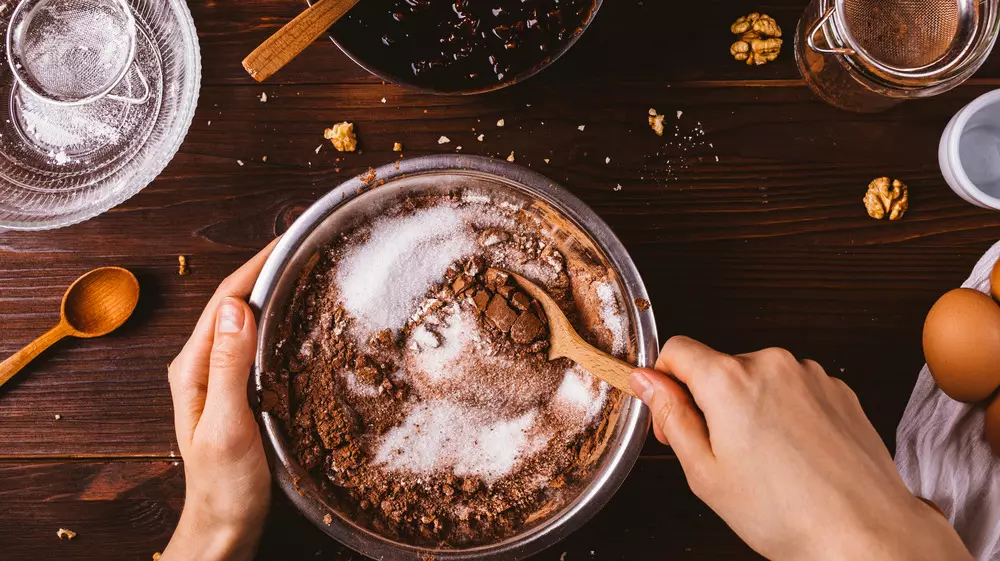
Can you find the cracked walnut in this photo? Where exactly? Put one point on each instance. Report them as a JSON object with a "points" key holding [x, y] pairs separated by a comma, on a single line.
{"points": [[887, 198], [759, 41]]}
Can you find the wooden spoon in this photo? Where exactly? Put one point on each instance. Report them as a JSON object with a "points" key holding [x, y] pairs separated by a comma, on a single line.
{"points": [[279, 49], [565, 342], [95, 304]]}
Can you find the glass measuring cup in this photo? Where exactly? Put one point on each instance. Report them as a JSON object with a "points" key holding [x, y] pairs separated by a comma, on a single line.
{"points": [[73, 52]]}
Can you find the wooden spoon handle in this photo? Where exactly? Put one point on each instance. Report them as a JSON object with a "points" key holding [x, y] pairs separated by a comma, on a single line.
{"points": [[279, 49], [606, 367], [21, 358]]}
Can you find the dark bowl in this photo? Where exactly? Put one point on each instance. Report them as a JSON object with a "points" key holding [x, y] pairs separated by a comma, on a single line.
{"points": [[372, 64]]}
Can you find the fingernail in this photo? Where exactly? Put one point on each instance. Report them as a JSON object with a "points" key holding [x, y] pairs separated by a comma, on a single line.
{"points": [[641, 386], [230, 316]]}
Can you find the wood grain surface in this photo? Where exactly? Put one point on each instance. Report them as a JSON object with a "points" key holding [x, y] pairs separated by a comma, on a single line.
{"points": [[745, 220]]}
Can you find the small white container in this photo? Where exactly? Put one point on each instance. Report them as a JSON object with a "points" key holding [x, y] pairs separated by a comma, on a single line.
{"points": [[969, 153]]}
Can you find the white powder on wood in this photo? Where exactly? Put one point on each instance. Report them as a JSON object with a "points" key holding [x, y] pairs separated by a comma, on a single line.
{"points": [[612, 317], [438, 435], [383, 279]]}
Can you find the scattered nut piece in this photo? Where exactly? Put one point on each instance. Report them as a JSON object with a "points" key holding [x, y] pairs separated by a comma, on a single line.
{"points": [[480, 137], [759, 41], [444, 140], [182, 265], [383, 100], [656, 122], [58, 416], [263, 97], [546, 160], [156, 556], [263, 159], [511, 157], [642, 304], [64, 533], [500, 123], [397, 147], [341, 135], [240, 162], [327, 519], [887, 197], [581, 127]]}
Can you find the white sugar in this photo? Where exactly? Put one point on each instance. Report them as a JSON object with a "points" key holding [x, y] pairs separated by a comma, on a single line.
{"points": [[438, 435], [612, 317], [453, 338], [580, 391], [385, 278]]}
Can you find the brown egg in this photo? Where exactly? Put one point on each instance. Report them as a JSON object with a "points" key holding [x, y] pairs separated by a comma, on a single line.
{"points": [[962, 344], [995, 280], [993, 425]]}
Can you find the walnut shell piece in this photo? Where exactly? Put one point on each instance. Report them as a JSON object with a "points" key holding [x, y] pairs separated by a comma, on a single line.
{"points": [[759, 41], [887, 197]]}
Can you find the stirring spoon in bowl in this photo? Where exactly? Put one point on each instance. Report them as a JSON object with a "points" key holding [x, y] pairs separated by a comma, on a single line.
{"points": [[565, 342], [293, 38], [95, 304]]}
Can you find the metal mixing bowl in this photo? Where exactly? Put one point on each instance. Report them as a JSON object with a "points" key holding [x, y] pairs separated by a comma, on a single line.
{"points": [[443, 173]]}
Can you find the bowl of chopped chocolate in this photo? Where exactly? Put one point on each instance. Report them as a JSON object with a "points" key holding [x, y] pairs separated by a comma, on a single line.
{"points": [[460, 46], [406, 398]]}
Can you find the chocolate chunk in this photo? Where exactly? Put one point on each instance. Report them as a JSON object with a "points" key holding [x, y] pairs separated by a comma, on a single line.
{"points": [[500, 314], [461, 284], [525, 329], [495, 278], [482, 299], [368, 375], [536, 309], [382, 340], [520, 301]]}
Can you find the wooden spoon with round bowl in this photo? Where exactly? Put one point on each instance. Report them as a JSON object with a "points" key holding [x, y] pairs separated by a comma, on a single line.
{"points": [[95, 304], [565, 342]]}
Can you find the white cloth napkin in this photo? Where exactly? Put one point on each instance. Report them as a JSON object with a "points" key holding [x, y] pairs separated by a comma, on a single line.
{"points": [[943, 456]]}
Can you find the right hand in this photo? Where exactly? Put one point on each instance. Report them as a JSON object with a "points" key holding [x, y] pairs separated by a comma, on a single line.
{"points": [[785, 455]]}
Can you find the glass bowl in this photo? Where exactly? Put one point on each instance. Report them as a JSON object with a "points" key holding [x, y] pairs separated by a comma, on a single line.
{"points": [[62, 164]]}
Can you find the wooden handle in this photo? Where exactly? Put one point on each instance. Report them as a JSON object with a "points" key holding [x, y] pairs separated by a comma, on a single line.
{"points": [[279, 49], [21, 358], [599, 363]]}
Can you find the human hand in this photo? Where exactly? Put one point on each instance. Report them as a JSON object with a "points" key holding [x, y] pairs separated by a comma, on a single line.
{"points": [[228, 485], [785, 455]]}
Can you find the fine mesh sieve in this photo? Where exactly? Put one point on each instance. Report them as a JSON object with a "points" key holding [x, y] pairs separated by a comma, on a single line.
{"points": [[903, 33], [72, 51], [907, 43]]}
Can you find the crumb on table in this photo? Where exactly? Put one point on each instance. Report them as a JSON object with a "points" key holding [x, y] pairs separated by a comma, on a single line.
{"points": [[342, 136], [64, 533], [182, 265]]}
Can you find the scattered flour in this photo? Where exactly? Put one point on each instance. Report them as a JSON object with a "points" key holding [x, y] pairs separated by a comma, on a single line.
{"points": [[611, 315], [382, 279], [439, 435]]}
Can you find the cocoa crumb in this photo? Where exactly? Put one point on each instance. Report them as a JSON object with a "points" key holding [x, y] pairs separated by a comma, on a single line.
{"points": [[642, 304]]}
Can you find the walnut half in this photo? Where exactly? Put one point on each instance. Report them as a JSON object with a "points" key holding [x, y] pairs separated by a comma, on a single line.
{"points": [[887, 198], [759, 41]]}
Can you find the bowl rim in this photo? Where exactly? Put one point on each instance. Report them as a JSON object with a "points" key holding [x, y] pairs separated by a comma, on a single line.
{"points": [[409, 84], [621, 456]]}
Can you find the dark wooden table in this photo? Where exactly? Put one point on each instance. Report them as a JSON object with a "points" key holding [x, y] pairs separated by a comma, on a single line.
{"points": [[750, 234]]}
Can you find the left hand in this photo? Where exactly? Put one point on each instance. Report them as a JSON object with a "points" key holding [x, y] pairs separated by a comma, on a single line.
{"points": [[228, 485]]}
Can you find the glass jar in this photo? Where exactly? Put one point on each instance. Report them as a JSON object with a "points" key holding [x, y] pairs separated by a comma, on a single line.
{"points": [[869, 55]]}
